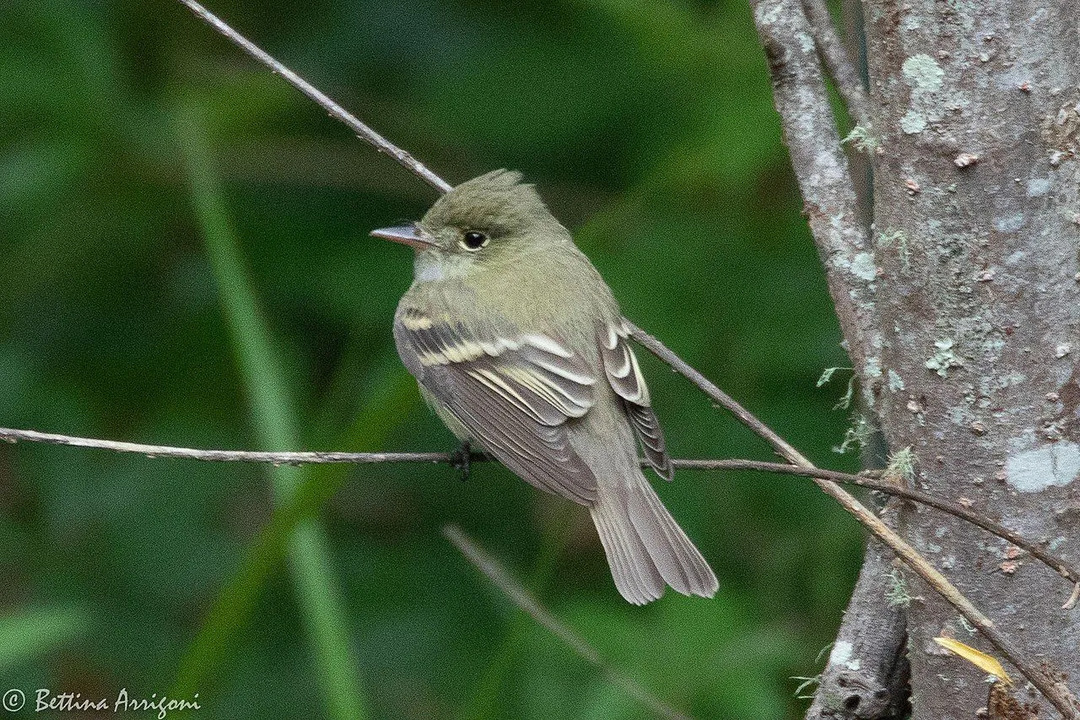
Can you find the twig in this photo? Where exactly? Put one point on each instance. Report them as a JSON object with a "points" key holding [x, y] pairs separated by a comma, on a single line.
{"points": [[1060, 566], [502, 579], [824, 178], [336, 111], [783, 448], [324, 457], [278, 458], [838, 61]]}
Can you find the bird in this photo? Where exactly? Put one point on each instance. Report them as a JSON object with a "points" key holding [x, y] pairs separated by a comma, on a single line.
{"points": [[519, 346]]}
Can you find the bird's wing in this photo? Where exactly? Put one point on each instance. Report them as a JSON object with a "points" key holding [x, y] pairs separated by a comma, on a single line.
{"points": [[625, 378], [513, 395]]}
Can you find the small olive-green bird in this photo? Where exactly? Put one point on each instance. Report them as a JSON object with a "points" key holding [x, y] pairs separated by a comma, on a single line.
{"points": [[519, 346]]}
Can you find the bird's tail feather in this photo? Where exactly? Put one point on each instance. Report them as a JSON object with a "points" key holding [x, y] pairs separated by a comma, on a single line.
{"points": [[645, 547]]}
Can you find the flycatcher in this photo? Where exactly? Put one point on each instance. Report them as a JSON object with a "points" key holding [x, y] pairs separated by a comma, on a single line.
{"points": [[519, 346]]}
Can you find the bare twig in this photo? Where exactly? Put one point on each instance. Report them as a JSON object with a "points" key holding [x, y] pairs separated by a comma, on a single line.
{"points": [[251, 456], [521, 597], [838, 61], [954, 509], [782, 447], [336, 111], [326, 457], [824, 177]]}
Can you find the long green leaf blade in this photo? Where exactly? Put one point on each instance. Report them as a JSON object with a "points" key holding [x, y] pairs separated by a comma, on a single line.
{"points": [[318, 594]]}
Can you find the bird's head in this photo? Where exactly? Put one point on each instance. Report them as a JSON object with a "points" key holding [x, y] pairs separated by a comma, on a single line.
{"points": [[491, 220]]}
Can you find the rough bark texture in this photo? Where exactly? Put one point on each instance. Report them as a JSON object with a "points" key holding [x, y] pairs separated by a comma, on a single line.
{"points": [[867, 679], [977, 214], [866, 676]]}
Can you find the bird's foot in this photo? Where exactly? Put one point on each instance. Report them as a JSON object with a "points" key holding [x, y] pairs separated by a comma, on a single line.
{"points": [[461, 460]]}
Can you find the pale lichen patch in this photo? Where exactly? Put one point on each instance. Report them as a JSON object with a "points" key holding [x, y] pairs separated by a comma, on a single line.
{"points": [[923, 73], [1038, 187], [872, 366], [944, 358], [841, 653], [960, 415], [913, 122], [862, 139], [1009, 224], [841, 656], [863, 267], [898, 238], [926, 78], [1045, 466], [1016, 257]]}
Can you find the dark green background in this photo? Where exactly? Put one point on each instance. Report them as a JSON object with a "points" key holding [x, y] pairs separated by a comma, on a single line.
{"points": [[649, 129]]}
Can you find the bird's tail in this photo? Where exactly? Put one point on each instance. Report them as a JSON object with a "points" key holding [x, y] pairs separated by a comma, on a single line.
{"points": [[645, 547]]}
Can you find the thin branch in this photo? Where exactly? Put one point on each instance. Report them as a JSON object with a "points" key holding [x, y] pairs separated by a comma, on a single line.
{"points": [[521, 597], [838, 61], [782, 447], [359, 458], [336, 111], [955, 509], [251, 456]]}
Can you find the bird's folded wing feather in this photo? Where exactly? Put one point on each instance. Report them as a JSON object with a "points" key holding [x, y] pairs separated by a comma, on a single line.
{"points": [[513, 394], [624, 375]]}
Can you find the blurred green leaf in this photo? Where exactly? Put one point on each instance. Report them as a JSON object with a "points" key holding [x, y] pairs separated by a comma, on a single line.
{"points": [[318, 593], [30, 632]]}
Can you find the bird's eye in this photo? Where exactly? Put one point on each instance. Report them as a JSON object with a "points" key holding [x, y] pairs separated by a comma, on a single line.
{"points": [[474, 240]]}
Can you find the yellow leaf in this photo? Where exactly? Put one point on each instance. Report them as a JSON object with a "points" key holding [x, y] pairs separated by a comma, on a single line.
{"points": [[987, 663]]}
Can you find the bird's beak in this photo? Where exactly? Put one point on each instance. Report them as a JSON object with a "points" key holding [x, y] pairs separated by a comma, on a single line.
{"points": [[406, 235]]}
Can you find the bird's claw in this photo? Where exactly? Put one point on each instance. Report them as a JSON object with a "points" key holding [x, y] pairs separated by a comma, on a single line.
{"points": [[461, 460]]}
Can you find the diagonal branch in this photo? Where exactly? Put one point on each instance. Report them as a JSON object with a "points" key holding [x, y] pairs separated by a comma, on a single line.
{"points": [[521, 597], [337, 112], [1055, 692], [955, 509], [782, 447]]}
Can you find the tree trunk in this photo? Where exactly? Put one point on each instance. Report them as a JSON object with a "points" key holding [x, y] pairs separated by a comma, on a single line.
{"points": [[976, 111]]}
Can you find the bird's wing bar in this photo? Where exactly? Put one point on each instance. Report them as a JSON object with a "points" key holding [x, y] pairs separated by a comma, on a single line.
{"points": [[512, 394], [624, 376]]}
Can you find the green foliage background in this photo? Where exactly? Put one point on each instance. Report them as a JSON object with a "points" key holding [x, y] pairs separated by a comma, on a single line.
{"points": [[185, 261]]}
